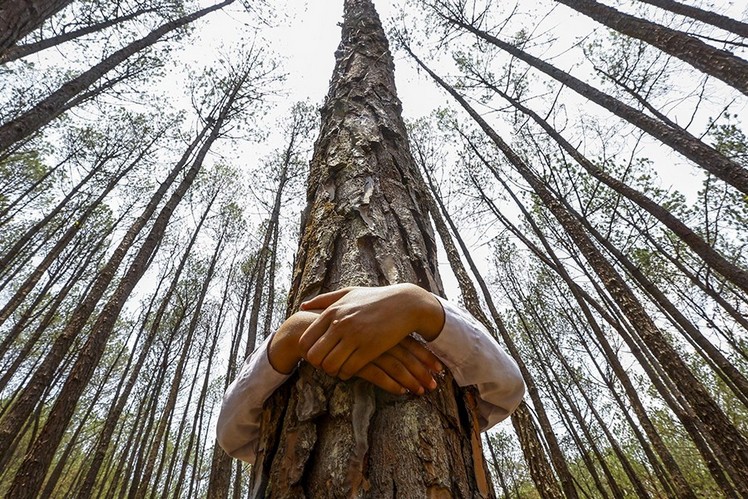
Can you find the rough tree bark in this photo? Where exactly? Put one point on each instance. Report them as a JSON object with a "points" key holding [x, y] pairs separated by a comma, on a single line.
{"points": [[365, 225]]}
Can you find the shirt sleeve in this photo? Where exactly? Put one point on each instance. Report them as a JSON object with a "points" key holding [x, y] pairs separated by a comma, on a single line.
{"points": [[475, 358], [238, 426]]}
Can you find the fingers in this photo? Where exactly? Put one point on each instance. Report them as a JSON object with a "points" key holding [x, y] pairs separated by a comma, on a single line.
{"points": [[414, 366], [314, 332], [374, 374], [335, 359], [422, 353], [325, 299], [398, 371]]}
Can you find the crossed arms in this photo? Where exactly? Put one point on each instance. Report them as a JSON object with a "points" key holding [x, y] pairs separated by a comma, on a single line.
{"points": [[365, 332]]}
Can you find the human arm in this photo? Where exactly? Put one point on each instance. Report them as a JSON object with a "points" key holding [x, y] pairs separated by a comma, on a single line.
{"points": [[475, 358]]}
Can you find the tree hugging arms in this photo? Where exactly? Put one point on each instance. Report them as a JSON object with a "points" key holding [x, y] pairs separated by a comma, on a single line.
{"points": [[366, 332]]}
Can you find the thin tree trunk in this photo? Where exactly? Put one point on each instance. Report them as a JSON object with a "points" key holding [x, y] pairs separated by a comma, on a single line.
{"points": [[682, 487], [33, 278], [118, 404], [183, 357]]}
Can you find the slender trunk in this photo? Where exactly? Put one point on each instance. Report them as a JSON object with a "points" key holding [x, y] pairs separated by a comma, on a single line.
{"points": [[715, 62], [47, 320], [49, 108], [554, 390], [197, 420], [689, 146], [496, 467], [365, 225], [62, 460], [219, 481], [573, 374], [723, 367]]}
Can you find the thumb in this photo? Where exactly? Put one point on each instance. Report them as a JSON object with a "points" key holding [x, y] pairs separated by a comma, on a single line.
{"points": [[325, 299]]}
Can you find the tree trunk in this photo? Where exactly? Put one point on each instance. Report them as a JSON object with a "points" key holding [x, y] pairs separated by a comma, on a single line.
{"points": [[715, 62], [365, 225], [33, 278]]}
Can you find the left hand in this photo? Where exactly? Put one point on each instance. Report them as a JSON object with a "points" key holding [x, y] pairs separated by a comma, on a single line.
{"points": [[360, 324]]}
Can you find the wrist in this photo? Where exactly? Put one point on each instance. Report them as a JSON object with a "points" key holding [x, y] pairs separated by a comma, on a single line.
{"points": [[281, 354], [429, 313], [284, 352]]}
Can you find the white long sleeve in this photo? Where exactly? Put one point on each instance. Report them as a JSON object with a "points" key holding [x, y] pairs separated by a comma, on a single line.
{"points": [[474, 358], [463, 345]]}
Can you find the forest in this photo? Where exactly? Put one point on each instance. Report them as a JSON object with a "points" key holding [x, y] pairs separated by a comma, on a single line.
{"points": [[575, 175]]}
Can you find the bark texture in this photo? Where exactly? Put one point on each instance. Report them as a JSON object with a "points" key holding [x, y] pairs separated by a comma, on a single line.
{"points": [[366, 224]]}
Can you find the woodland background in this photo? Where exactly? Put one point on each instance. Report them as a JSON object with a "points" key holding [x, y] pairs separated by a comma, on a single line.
{"points": [[152, 171]]}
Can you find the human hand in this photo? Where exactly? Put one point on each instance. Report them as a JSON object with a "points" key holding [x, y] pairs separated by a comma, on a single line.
{"points": [[405, 367], [360, 324]]}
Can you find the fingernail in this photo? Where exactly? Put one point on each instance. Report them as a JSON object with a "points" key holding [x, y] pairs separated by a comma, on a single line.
{"points": [[403, 391], [439, 366], [421, 391], [432, 384]]}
